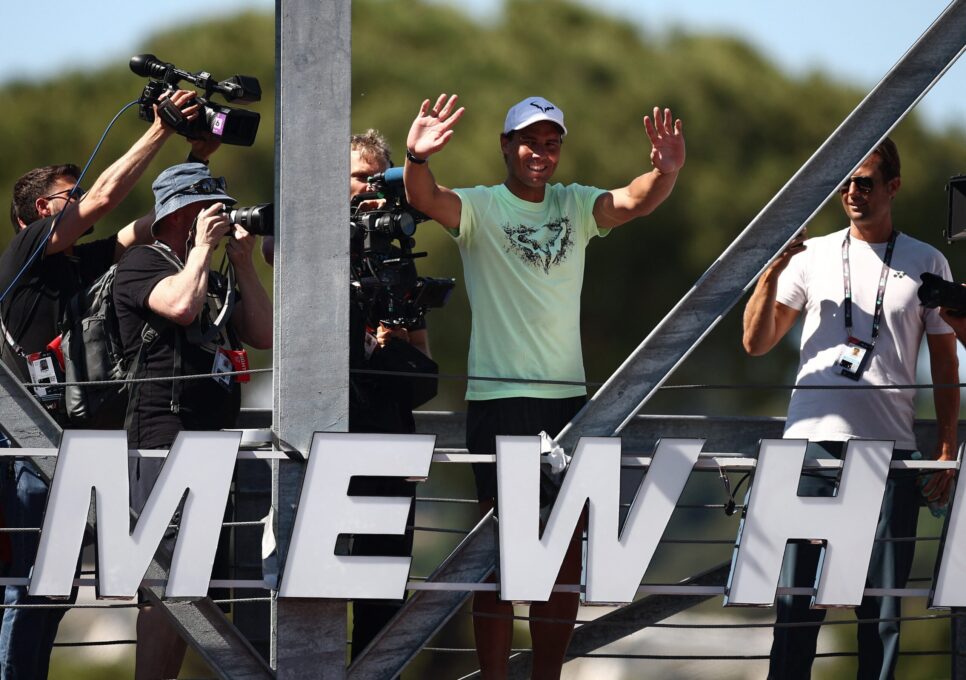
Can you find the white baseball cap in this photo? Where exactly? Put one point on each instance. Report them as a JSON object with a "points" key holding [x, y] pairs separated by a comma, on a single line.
{"points": [[532, 110]]}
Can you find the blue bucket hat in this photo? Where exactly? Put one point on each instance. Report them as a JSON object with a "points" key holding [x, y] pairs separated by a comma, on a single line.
{"points": [[184, 184]]}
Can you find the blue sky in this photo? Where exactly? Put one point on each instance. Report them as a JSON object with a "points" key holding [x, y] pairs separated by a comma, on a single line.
{"points": [[857, 41]]}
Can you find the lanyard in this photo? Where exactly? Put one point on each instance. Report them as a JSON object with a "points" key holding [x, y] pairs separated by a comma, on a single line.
{"points": [[880, 293]]}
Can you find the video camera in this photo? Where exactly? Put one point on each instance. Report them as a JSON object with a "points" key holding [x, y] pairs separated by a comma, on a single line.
{"points": [[936, 291], [383, 275], [230, 125]]}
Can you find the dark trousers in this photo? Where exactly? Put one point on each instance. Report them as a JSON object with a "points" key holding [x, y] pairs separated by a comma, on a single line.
{"points": [[369, 616], [793, 649], [26, 635]]}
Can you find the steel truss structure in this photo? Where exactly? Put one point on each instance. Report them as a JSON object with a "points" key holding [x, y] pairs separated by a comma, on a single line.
{"points": [[313, 72]]}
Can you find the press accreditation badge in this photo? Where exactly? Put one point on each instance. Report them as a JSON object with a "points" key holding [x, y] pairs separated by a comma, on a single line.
{"points": [[854, 358], [43, 370], [221, 366], [371, 344]]}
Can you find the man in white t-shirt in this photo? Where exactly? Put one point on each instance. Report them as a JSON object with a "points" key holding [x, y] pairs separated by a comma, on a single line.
{"points": [[862, 325], [522, 243]]}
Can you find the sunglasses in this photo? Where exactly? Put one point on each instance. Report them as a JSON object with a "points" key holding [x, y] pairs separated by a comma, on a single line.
{"points": [[66, 194], [863, 184], [207, 186]]}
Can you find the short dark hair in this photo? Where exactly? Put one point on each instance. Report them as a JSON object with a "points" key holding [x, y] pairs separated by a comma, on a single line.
{"points": [[888, 159], [372, 146], [32, 186]]}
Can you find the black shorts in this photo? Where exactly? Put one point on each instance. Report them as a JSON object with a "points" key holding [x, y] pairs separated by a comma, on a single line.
{"points": [[514, 416]]}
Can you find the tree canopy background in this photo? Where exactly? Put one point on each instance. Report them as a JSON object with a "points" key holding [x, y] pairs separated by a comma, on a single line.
{"points": [[749, 127]]}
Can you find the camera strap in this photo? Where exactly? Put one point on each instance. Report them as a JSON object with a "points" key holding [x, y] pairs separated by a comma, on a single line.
{"points": [[880, 292], [13, 344]]}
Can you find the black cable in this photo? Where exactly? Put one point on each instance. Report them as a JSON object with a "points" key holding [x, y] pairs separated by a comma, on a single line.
{"points": [[43, 244]]}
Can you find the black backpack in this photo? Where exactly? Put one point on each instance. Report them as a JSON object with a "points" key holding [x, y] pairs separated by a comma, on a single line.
{"points": [[91, 343]]}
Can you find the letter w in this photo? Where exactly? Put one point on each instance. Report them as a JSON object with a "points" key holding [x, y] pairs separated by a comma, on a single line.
{"points": [[616, 560], [200, 463]]}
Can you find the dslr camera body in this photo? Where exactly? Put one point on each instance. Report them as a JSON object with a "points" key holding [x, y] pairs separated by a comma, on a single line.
{"points": [[230, 125]]}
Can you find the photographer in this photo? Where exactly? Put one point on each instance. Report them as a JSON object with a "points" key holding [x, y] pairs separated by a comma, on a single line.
{"points": [[40, 271], [167, 299]]}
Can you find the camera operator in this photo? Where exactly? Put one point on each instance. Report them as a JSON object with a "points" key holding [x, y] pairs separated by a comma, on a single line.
{"points": [[166, 298], [376, 403], [37, 279]]}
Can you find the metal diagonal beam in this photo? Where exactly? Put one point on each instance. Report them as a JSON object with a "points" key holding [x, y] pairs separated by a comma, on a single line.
{"points": [[724, 283], [628, 620], [407, 631], [427, 611], [201, 623]]}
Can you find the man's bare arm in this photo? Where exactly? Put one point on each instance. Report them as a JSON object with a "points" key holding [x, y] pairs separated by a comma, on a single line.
{"points": [[649, 190], [116, 181], [430, 132], [180, 297], [766, 321], [944, 369]]}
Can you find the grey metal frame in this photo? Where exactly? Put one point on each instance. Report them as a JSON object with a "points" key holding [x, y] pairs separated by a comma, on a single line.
{"points": [[311, 357]]}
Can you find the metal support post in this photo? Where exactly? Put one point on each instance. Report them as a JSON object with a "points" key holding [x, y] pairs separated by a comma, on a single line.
{"points": [[311, 358]]}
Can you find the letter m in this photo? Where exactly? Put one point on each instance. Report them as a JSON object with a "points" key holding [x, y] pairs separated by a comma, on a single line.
{"points": [[198, 468]]}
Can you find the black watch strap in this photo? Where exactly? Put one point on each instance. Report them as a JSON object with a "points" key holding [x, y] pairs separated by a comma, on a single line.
{"points": [[412, 159], [194, 159]]}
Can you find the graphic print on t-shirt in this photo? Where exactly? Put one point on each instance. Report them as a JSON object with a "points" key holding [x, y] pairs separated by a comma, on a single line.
{"points": [[545, 246]]}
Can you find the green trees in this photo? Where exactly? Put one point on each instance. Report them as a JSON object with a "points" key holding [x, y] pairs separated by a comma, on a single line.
{"points": [[749, 127]]}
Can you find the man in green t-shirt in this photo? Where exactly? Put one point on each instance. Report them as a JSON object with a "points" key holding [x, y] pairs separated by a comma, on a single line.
{"points": [[522, 244]]}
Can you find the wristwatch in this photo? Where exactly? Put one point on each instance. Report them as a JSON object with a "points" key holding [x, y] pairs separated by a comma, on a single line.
{"points": [[412, 159]]}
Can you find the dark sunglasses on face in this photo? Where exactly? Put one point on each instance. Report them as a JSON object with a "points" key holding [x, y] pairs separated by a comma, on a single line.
{"points": [[66, 194], [863, 184], [207, 186]]}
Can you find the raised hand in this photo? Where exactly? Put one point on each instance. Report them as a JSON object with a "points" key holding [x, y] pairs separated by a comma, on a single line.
{"points": [[203, 147], [433, 126], [667, 141], [212, 225]]}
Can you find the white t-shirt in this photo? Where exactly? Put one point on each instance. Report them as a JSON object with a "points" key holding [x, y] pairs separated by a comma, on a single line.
{"points": [[523, 264], [813, 284]]}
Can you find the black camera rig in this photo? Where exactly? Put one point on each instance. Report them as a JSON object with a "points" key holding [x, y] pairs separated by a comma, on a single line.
{"points": [[383, 274], [936, 291], [230, 125]]}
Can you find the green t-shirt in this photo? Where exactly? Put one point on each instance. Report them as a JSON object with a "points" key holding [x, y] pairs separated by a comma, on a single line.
{"points": [[523, 265]]}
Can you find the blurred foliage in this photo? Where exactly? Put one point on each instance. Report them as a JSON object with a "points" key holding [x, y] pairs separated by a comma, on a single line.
{"points": [[749, 127]]}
